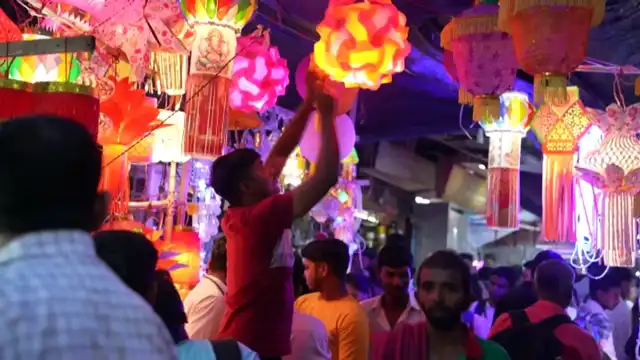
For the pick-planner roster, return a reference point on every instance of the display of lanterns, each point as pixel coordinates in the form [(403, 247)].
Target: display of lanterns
[(559, 129), (484, 58), (503, 176), (614, 168), (550, 38), (216, 25), (362, 44), (259, 75)]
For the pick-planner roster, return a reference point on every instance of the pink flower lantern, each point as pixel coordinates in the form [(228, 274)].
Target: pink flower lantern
[(310, 142), (615, 169), (259, 75), (484, 57)]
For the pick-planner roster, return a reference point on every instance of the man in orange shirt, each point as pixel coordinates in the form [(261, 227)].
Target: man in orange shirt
[(543, 330)]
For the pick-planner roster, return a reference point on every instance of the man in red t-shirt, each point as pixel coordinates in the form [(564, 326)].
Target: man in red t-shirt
[(259, 301)]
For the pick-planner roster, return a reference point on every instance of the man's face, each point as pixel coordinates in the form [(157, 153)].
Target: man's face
[(395, 281), (610, 298), (260, 182), (313, 273), (498, 287), (442, 297)]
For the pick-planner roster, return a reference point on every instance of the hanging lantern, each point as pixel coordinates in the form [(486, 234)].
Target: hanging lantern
[(259, 75), (183, 253), (550, 38), (345, 97), (614, 168), (16, 97), (362, 44), (450, 67), (62, 67), (167, 141), (169, 73), (559, 128), (503, 177), (485, 61), (72, 101), (131, 117), (216, 25), (240, 120)]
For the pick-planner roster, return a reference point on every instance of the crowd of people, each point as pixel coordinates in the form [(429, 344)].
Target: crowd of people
[(71, 292)]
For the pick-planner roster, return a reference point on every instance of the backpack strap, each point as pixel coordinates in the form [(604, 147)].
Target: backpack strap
[(519, 318), (551, 323), (226, 349)]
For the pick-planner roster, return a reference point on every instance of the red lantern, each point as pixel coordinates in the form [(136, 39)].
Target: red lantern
[(550, 40), (16, 97), (72, 101), (259, 75), (484, 58), (362, 44)]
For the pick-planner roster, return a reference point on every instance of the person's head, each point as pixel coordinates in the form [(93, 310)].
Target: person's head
[(627, 282), (132, 257), (241, 178), (358, 286), (395, 264), (218, 261), (325, 263), (604, 286), (169, 308), (444, 289), (527, 275), (541, 257), (50, 173), (501, 280), (468, 259), (299, 283), (489, 260), (553, 282)]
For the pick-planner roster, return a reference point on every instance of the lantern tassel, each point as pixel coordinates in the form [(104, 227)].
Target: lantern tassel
[(464, 97), (550, 88), (558, 198), (637, 86), (486, 108), (469, 26), (619, 230)]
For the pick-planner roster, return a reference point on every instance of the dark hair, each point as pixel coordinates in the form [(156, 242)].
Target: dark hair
[(622, 274), (395, 256), (169, 307), (543, 256), (507, 273), (528, 265), (300, 286), (228, 171), (485, 272), (131, 256), (600, 282), (50, 172), (449, 260), (218, 259), (466, 256), (359, 281), (333, 252)]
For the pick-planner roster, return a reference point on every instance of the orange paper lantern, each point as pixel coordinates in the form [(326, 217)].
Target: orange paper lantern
[(559, 129), (550, 38), (181, 257), (362, 44)]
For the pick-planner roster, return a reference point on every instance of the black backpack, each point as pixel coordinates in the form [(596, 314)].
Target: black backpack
[(226, 349), (527, 341)]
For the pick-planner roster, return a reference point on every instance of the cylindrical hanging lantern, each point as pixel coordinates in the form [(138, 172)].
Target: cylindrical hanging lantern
[(615, 169), (259, 75), (484, 58), (362, 44), (559, 129), (63, 67), (72, 101), (115, 177), (16, 97), (503, 176), (169, 73), (216, 25), (550, 38)]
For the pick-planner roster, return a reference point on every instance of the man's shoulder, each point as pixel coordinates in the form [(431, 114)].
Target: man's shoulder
[(370, 304)]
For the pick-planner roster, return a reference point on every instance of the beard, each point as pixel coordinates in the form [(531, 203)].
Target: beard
[(443, 318)]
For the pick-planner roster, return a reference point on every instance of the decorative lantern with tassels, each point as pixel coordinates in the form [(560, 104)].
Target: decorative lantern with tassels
[(216, 24), (450, 67), (260, 75), (559, 128), (484, 57), (129, 116), (503, 176), (550, 38), (615, 169), (362, 44)]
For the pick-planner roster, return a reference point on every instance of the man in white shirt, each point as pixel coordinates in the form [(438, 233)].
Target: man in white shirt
[(501, 281), (205, 304), (620, 315), (396, 304), (59, 300)]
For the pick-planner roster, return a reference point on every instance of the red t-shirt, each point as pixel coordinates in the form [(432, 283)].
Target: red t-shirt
[(259, 276)]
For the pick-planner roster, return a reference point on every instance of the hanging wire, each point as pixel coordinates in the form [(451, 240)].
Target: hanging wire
[(586, 250), (200, 89), (618, 94)]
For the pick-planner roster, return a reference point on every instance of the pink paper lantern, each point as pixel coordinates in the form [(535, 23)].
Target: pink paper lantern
[(345, 97), (259, 76), (310, 142)]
